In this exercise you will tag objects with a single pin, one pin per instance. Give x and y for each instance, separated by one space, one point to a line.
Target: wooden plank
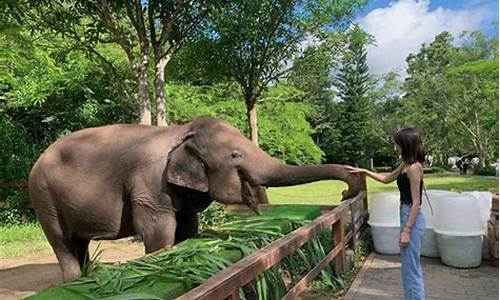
358 235
339 239
354 227
304 281
234 296
223 284
348 236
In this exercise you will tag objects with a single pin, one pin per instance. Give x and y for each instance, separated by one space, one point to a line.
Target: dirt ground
25 275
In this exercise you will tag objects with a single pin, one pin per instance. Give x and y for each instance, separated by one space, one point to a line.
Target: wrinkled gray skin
122 180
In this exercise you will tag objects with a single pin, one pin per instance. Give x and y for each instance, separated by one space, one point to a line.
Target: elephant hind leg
67 252
71 252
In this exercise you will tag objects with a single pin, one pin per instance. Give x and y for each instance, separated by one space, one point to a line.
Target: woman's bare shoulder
415 169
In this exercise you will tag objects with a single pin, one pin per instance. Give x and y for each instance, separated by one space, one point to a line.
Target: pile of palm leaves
169 274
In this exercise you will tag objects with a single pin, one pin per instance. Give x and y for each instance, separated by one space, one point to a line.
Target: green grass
328 192
19 240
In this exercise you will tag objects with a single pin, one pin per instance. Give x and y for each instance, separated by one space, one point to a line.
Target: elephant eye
236 154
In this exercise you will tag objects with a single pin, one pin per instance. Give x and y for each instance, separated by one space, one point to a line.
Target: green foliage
353 121
48 92
252 42
390 115
312 74
18 156
487 171
211 217
284 129
452 96
169 274
323 288
15 210
434 170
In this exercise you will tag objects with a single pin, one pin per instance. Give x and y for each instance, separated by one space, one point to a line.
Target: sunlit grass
19 240
328 192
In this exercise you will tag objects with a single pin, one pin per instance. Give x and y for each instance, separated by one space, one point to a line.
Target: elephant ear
186 169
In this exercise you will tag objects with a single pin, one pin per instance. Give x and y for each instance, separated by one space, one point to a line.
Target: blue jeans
411 269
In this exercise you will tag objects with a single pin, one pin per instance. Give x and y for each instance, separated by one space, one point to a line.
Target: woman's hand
404 238
354 170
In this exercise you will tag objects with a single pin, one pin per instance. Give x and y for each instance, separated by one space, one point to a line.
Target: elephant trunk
285 175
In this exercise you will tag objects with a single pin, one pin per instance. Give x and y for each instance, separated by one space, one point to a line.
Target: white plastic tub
429 243
459 230
384 222
483 200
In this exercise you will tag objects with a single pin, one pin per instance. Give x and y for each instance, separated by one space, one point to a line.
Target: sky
401 27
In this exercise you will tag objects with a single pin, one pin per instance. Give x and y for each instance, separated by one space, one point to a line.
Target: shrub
383 169
16 209
486 171
212 216
433 170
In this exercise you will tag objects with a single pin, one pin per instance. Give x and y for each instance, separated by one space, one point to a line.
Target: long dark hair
410 142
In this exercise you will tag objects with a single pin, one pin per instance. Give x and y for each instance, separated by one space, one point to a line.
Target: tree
389 110
474 103
353 121
312 74
451 91
138 27
255 41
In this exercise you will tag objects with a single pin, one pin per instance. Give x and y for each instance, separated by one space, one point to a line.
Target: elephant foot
70 268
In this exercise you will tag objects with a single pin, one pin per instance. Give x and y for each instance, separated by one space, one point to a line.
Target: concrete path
380 279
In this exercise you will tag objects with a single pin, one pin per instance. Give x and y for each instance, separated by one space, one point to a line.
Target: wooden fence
227 283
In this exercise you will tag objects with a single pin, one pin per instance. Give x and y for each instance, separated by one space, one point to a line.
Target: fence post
338 239
354 229
365 198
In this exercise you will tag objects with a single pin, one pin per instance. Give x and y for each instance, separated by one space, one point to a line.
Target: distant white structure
452 161
428 161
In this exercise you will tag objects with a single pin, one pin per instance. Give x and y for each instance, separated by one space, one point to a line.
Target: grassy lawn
20 240
329 191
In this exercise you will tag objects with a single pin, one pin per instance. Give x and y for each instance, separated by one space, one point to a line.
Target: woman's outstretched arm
381 177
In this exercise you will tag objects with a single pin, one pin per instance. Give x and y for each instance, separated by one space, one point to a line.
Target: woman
409 176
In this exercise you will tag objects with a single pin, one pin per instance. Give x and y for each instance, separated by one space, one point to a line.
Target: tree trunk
259 191
144 101
160 93
252 121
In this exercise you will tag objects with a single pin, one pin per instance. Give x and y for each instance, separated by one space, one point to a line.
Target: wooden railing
227 283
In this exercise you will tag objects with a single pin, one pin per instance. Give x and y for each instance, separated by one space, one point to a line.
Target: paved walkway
380 279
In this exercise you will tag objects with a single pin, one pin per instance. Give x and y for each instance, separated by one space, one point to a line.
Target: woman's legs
411 269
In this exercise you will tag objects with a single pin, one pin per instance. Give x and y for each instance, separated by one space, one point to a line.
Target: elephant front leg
187 227
157 229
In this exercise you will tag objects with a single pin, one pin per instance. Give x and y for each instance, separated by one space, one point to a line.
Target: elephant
125 180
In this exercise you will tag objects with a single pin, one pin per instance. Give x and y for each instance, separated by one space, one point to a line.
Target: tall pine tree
353 115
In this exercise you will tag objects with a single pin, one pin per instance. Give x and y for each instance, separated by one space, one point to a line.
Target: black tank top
405 189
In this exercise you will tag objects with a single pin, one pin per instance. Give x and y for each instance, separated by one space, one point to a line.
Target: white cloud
402 27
